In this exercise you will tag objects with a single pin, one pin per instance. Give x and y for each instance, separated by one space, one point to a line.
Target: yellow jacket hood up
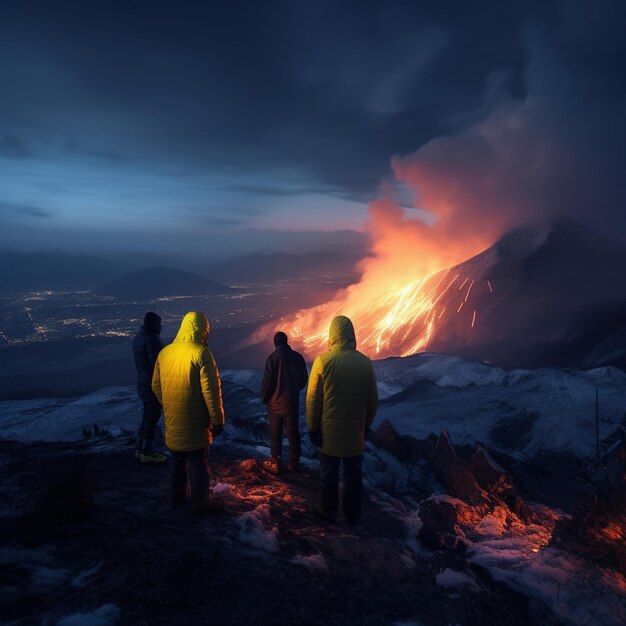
342 396
187 383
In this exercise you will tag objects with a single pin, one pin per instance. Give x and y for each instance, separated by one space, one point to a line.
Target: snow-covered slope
518 411
114 408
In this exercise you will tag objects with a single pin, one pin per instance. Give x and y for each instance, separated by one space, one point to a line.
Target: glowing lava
399 301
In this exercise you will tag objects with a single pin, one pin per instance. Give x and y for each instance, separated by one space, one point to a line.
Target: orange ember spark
463 283
460 307
474 318
468 291
490 288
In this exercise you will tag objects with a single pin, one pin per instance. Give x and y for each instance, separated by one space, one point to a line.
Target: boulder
456 474
490 476
440 529
388 438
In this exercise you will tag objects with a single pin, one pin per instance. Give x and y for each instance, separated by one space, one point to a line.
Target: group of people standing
183 379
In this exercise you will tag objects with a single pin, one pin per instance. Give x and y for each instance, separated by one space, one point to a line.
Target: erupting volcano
546 293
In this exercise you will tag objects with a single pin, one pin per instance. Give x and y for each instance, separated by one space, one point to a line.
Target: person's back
342 397
187 383
146 348
284 377
341 405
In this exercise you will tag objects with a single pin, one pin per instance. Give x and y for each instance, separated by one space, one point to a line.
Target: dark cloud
558 151
286 99
333 88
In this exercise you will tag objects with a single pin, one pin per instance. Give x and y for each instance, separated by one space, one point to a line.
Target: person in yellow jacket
187 384
341 404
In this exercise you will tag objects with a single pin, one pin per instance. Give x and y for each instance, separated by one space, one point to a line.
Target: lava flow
397 305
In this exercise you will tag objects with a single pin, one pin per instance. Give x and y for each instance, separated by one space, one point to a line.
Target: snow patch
221 489
451 578
522 557
253 530
491 526
314 562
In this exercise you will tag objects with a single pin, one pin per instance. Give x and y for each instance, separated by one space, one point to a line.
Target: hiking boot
271 465
293 467
209 507
154 457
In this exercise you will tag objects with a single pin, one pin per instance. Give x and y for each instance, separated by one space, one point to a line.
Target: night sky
214 127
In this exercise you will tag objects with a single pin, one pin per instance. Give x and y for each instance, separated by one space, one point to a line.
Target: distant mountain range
21 272
254 268
156 282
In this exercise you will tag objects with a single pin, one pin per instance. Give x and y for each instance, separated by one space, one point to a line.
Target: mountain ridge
161 281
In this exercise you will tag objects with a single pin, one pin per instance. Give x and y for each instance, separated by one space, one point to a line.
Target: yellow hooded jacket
187 384
342 397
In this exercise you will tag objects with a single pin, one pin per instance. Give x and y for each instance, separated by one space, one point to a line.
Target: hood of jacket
194 328
152 323
341 334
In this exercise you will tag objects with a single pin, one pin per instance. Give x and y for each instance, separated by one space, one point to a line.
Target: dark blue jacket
146 348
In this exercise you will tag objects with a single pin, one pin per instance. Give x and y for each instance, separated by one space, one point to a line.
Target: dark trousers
352 485
189 468
293 436
150 418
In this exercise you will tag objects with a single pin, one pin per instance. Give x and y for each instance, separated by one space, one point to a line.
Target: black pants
189 468
352 485
150 418
293 436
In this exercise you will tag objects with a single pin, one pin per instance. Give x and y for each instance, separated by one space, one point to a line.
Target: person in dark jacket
285 376
146 348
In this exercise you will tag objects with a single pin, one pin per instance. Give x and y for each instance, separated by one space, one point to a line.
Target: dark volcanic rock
489 474
388 438
440 530
455 473
599 533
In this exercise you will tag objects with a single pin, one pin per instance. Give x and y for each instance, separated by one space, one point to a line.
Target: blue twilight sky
227 127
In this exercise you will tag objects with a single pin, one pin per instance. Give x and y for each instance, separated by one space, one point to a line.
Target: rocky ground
87 538
451 534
